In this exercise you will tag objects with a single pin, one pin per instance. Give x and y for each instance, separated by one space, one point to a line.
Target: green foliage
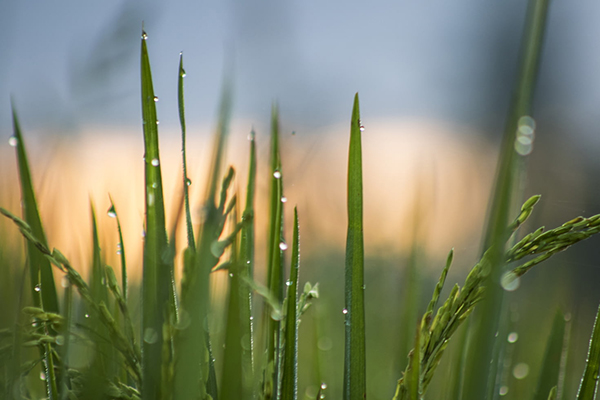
166 351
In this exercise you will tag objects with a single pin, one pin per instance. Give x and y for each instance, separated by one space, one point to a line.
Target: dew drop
87 315
288 283
155 99
150 200
37 287
157 122
345 311
144 35
503 390
513 337
150 336
112 212
231 274
183 74
251 318
251 136
60 340
155 162
277 174
13 141
362 128
154 185
188 182
510 282
284 199
42 376
283 246
323 386
64 282
521 370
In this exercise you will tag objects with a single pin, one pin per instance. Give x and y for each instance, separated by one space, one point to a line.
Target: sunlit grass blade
194 374
589 380
484 349
156 279
186 181
551 364
355 381
289 368
40 271
275 271
65 349
112 212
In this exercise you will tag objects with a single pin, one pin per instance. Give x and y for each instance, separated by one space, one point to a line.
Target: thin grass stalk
247 273
65 349
42 286
355 382
484 348
156 273
589 380
289 368
186 181
112 212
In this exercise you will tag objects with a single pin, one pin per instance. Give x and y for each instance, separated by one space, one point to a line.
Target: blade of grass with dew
112 212
355 382
589 380
289 368
65 348
247 272
484 348
42 287
156 279
186 181
275 262
193 359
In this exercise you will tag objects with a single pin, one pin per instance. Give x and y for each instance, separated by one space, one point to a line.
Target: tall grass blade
156 279
551 364
65 349
355 382
589 380
186 181
484 348
275 271
289 368
42 286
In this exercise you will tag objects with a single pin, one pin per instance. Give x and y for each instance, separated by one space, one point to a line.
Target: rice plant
167 351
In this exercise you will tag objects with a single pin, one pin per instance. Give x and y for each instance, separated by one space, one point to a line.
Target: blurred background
435 80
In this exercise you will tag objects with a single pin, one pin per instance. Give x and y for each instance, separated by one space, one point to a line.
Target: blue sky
73 63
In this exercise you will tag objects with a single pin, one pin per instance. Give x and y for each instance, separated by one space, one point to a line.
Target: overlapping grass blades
355 381
552 374
484 349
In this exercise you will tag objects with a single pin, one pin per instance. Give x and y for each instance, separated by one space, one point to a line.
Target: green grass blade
589 381
410 302
355 382
112 212
186 181
289 369
551 364
65 349
275 262
156 274
247 272
484 349
42 286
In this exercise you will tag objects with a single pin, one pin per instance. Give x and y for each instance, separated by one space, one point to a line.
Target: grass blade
355 382
589 381
289 368
275 262
156 273
112 212
42 286
484 349
186 181
551 364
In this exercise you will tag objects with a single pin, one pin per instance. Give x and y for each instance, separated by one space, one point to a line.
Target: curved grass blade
289 368
42 286
355 382
589 380
156 274
484 350
551 364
